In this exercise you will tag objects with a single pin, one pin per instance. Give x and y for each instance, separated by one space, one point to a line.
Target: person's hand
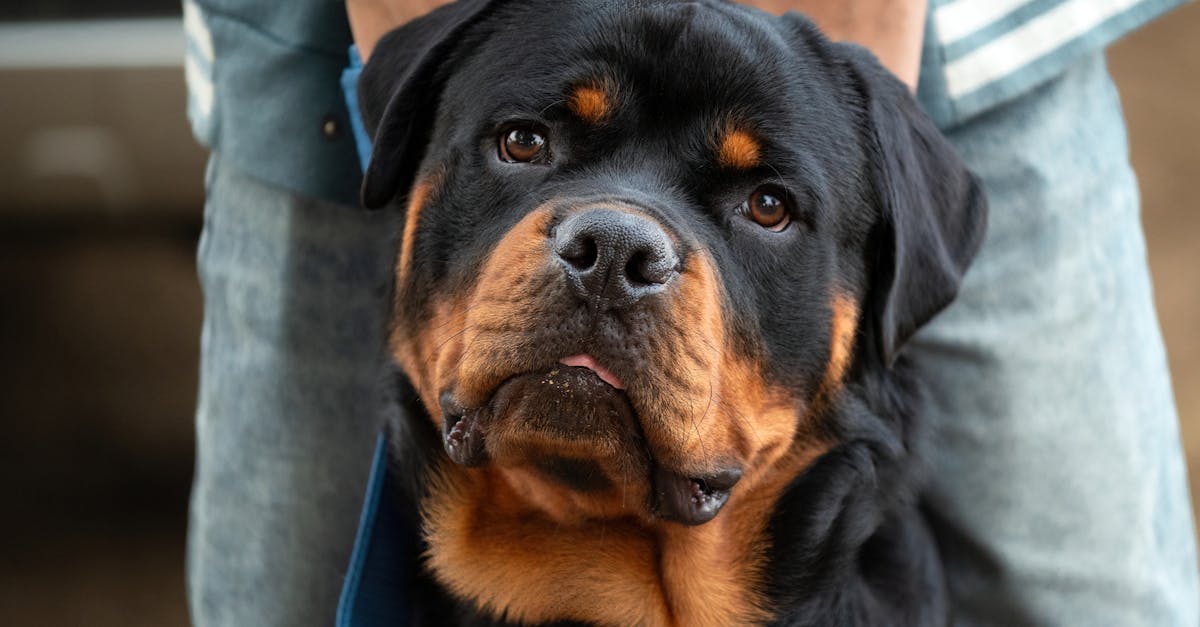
892 29
370 19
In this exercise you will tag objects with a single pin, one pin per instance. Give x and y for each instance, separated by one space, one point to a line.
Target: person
1059 493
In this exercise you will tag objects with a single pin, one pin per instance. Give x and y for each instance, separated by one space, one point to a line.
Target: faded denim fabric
1060 489
296 293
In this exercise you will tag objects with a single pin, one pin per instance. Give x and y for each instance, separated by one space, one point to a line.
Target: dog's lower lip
584 360
703 490
693 500
462 439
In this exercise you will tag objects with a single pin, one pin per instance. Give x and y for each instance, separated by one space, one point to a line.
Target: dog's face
647 242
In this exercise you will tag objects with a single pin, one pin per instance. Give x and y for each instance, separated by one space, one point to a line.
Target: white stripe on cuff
197 32
200 87
961 18
1021 46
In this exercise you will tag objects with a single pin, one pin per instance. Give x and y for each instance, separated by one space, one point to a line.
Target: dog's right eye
523 144
767 208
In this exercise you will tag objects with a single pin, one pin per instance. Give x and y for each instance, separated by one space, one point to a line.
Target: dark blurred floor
99 332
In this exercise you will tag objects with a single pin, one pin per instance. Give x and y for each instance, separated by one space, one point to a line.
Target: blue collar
380 572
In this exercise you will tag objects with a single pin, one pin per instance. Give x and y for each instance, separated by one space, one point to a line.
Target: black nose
616 256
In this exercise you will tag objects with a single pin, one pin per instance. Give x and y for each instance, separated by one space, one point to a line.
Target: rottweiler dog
657 263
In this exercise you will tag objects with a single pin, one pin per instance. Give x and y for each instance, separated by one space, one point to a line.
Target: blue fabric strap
350 90
373 594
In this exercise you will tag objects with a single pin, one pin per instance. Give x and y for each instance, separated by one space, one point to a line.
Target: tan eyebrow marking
739 149
591 102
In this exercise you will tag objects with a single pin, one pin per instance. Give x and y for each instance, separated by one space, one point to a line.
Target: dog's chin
566 412
564 440
572 404
571 431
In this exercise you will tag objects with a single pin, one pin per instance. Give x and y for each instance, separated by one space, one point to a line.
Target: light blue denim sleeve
1060 491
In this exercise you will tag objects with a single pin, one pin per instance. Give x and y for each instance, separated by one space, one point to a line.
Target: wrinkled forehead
656 61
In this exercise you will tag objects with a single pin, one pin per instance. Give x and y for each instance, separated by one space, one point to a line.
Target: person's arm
892 29
371 19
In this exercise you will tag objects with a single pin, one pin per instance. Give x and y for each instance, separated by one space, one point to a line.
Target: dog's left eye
767 208
523 144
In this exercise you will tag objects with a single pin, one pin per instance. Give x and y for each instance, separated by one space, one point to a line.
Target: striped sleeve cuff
981 53
198 71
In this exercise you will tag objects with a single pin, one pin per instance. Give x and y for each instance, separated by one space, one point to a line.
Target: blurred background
100 209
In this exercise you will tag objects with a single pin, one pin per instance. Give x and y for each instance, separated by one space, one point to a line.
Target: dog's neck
485 544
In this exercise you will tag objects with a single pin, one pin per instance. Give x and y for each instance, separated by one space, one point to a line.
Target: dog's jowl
657 268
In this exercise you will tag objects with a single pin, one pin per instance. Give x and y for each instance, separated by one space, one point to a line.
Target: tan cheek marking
719 402
841 352
590 103
428 354
686 349
499 303
423 192
436 355
739 150
714 571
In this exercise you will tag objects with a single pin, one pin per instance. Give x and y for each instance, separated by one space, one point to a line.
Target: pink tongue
587 361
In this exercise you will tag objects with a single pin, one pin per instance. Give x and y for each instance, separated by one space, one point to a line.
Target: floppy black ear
933 213
399 91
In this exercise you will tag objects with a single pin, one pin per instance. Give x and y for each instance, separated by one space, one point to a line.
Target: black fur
884 209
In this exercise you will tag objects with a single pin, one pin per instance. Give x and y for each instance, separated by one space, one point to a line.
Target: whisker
710 402
737 416
696 429
729 410
463 354
550 106
437 349
465 311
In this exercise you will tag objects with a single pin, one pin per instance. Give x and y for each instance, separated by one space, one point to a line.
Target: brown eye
523 145
768 209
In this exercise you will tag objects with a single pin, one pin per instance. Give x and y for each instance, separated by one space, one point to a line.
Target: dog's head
646 242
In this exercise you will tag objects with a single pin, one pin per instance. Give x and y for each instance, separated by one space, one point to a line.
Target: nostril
635 270
646 268
581 253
